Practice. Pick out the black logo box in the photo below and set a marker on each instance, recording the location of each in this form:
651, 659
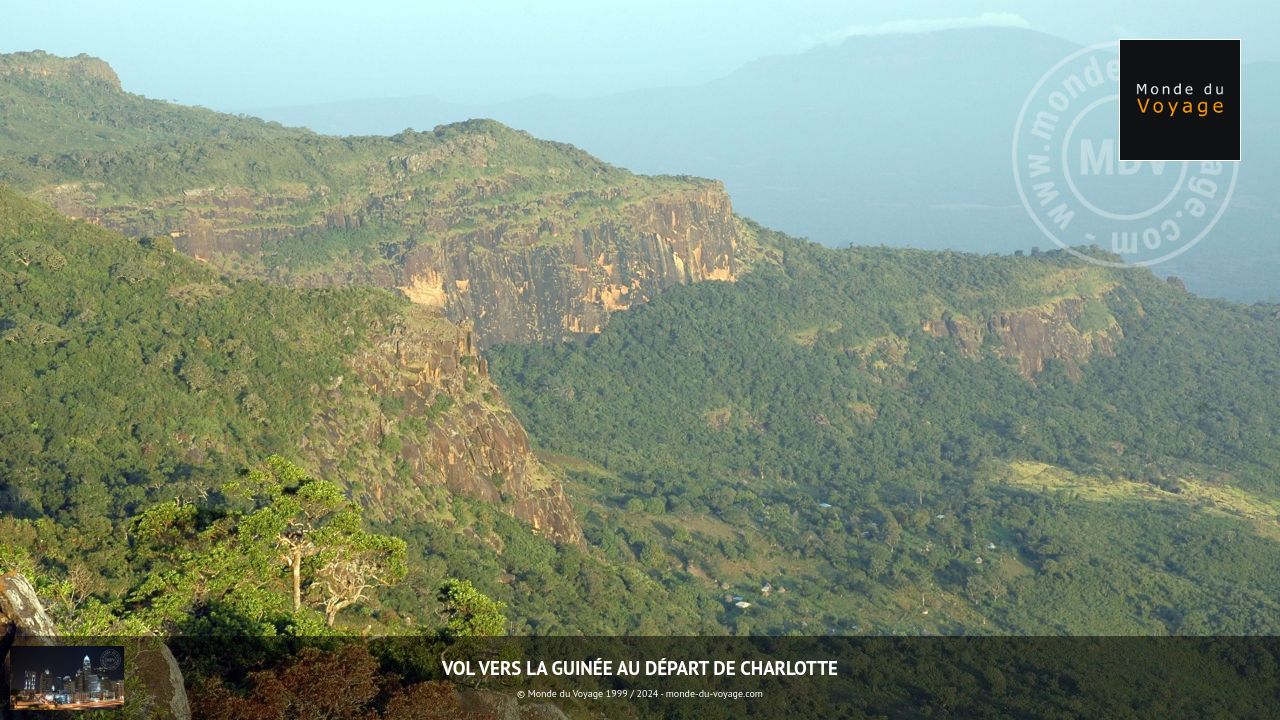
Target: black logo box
1185, 67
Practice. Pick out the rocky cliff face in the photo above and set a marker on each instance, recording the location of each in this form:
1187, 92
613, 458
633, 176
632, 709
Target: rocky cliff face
528, 240
419, 404
515, 281
42, 66
21, 612
1070, 330
519, 287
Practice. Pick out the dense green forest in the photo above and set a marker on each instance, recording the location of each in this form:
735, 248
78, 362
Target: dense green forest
823, 440
134, 378
525, 238
68, 119
264, 442
128, 366
70, 133
842, 441
801, 429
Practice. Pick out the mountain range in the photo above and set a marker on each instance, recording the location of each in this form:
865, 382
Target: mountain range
525, 239
900, 140
604, 398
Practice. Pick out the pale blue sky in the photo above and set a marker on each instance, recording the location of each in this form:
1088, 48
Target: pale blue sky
240, 54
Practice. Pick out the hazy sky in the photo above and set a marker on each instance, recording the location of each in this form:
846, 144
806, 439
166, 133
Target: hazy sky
242, 54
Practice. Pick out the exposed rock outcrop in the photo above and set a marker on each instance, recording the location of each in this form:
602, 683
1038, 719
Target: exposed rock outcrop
525, 252
438, 422
515, 287
516, 281
21, 611
1055, 332
1058, 330
43, 66
967, 334
153, 667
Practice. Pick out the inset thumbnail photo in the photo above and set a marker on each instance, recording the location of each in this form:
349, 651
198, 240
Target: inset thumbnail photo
66, 677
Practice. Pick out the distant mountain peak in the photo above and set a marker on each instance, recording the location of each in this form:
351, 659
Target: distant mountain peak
40, 65
935, 44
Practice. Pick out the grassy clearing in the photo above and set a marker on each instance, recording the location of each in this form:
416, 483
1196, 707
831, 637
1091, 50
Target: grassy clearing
1261, 512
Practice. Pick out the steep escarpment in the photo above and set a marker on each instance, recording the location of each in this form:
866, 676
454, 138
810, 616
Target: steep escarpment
42, 67
528, 240
564, 277
1028, 312
419, 406
132, 373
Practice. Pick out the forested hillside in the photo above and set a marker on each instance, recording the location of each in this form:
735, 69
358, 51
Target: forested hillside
931, 442
843, 143
841, 441
867, 440
526, 239
137, 383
